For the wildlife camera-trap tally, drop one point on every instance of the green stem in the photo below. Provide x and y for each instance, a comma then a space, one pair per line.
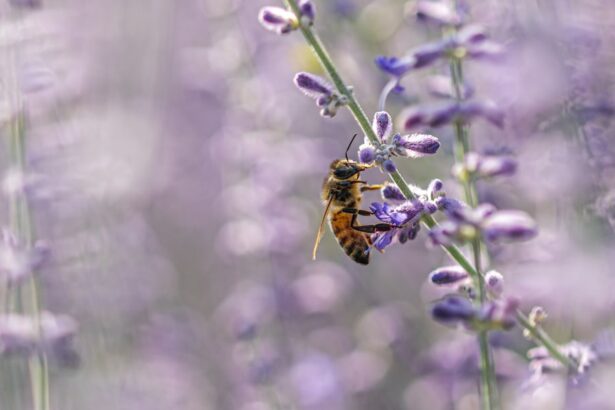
21, 224
488, 382
361, 118
539, 334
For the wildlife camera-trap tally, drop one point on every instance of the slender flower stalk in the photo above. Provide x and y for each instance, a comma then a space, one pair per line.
489, 388
427, 220
20, 222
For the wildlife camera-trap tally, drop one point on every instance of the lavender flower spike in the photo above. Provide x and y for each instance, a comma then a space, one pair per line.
509, 225
278, 20
448, 275
392, 192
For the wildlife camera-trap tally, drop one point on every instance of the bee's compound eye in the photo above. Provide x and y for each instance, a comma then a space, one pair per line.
344, 172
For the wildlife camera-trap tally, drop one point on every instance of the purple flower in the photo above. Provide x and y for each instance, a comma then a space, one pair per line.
420, 57
453, 309
308, 12
18, 262
392, 192
413, 117
418, 145
383, 239
312, 85
507, 226
494, 283
278, 20
367, 153
499, 314
472, 34
389, 166
437, 12
322, 91
382, 125
448, 275
19, 334
484, 166
409, 211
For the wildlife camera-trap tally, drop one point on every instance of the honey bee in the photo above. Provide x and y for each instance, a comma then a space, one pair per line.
342, 191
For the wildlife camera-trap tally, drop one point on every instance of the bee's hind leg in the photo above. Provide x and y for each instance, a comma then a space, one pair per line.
381, 227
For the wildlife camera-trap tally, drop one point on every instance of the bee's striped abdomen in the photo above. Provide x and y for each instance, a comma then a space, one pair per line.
354, 243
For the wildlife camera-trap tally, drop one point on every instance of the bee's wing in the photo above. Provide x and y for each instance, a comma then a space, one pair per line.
321, 229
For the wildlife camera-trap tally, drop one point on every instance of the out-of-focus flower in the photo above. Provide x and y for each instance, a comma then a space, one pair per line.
20, 334
362, 370
438, 12
583, 355
453, 309
449, 112
494, 283
475, 165
494, 226
278, 20
316, 382
509, 225
470, 42
448, 275
498, 314
18, 262
411, 146
308, 12
442, 86
322, 91
420, 57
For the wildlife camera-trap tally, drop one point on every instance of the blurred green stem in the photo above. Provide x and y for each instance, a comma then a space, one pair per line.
21, 226
488, 381
361, 118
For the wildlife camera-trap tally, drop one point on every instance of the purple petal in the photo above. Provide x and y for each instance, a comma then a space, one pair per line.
277, 19
448, 275
313, 85
384, 239
506, 226
389, 166
420, 144
367, 153
394, 66
382, 125
413, 117
392, 192
439, 13
307, 10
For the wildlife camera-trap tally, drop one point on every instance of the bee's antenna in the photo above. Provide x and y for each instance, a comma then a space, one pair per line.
349, 145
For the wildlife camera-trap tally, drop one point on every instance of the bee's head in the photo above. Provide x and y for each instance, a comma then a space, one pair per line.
343, 169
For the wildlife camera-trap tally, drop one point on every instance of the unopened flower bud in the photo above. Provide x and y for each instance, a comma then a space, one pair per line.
278, 20
389, 166
308, 12
453, 309
367, 153
509, 225
494, 282
419, 145
448, 275
313, 85
392, 192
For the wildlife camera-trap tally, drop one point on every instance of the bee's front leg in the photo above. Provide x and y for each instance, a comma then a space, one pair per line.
371, 187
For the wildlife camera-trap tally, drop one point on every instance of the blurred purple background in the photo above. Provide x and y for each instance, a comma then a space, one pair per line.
177, 175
